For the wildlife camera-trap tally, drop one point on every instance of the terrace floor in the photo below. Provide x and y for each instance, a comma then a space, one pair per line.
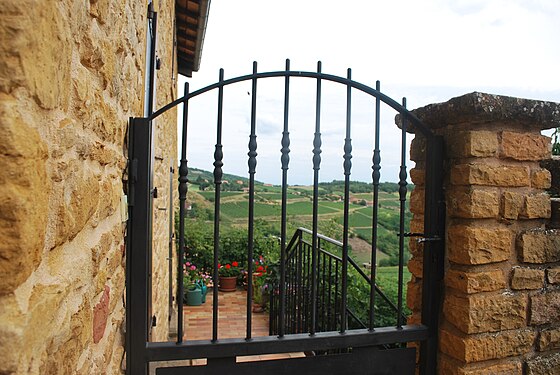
232, 323
232, 318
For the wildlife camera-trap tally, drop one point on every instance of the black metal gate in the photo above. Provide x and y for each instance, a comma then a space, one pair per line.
343, 347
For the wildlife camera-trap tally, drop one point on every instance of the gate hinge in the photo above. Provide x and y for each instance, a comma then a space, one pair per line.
151, 11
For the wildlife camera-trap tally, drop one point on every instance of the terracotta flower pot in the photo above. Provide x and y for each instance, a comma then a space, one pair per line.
228, 284
257, 308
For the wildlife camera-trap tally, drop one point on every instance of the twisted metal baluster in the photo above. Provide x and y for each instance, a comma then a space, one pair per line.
218, 173
347, 168
183, 189
402, 198
376, 176
252, 163
285, 160
316, 167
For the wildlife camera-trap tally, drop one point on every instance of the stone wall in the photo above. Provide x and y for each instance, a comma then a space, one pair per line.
70, 76
501, 307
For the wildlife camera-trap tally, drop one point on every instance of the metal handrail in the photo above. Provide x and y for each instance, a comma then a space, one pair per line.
291, 249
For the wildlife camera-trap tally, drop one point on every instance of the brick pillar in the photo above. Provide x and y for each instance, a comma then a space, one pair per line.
501, 308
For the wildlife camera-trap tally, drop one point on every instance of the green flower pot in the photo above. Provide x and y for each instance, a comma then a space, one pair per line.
194, 296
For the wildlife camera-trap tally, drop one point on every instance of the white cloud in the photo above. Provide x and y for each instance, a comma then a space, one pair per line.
427, 50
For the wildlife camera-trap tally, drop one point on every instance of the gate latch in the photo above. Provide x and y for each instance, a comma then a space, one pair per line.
429, 239
422, 237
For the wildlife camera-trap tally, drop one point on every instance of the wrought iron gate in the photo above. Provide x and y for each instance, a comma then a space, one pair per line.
365, 350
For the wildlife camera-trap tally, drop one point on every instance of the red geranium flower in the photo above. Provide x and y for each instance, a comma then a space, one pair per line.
235, 264
228, 266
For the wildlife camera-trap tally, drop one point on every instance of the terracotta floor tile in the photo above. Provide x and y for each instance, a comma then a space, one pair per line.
231, 324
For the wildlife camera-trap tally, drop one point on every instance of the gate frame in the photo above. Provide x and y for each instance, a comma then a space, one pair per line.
140, 352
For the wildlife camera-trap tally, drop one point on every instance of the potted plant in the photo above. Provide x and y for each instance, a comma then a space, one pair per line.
194, 293
260, 285
228, 274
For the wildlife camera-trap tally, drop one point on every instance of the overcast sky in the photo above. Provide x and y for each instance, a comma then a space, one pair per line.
426, 50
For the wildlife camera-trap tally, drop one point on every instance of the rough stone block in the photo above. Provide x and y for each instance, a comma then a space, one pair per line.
537, 206
418, 176
448, 366
489, 175
527, 278
512, 205
473, 203
476, 348
417, 200
539, 246
479, 245
83, 190
524, 146
418, 148
545, 308
415, 266
414, 295
553, 275
549, 339
24, 199
414, 318
466, 144
541, 179
544, 365
478, 313
475, 282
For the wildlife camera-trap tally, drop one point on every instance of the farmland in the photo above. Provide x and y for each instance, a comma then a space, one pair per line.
299, 205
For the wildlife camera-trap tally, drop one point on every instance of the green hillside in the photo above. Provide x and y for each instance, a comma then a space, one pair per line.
268, 204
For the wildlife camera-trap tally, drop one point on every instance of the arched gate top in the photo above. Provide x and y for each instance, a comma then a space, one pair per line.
291, 73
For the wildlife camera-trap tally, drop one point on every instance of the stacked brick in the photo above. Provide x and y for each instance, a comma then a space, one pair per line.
501, 308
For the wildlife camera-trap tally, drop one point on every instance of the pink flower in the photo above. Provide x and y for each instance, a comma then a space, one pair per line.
193, 267
188, 264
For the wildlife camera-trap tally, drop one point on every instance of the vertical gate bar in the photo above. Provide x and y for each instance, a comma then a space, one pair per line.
376, 175
218, 173
183, 189
170, 244
329, 296
316, 167
305, 289
293, 291
402, 198
336, 305
285, 160
298, 285
289, 271
318, 283
138, 245
252, 163
323, 291
347, 168
432, 273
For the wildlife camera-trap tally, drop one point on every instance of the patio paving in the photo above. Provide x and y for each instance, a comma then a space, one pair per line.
232, 318
232, 323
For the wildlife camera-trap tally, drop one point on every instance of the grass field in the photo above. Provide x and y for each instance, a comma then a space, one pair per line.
234, 211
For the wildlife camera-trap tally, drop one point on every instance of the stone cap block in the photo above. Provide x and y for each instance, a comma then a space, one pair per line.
480, 108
